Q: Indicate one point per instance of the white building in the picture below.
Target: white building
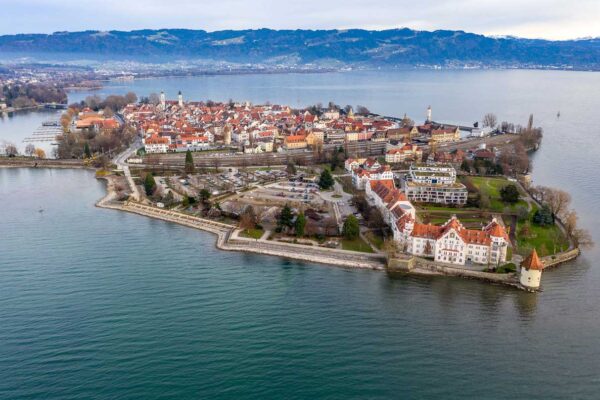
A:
(453, 243)
(434, 183)
(530, 274)
(448, 243)
(432, 173)
(361, 176)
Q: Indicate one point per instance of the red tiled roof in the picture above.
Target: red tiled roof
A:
(532, 262)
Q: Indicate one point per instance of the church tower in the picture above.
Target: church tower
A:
(163, 101)
(180, 99)
(530, 275)
(428, 114)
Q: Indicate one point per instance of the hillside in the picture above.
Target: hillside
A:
(388, 48)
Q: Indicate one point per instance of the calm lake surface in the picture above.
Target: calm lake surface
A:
(97, 304)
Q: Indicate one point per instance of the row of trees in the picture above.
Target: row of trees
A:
(556, 204)
(317, 109)
(111, 104)
(28, 95)
(11, 150)
(89, 142)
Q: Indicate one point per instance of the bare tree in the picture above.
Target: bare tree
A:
(10, 150)
(248, 218)
(131, 98)
(490, 120)
(582, 238)
(93, 102)
(153, 99)
(570, 221)
(530, 123)
(362, 110)
(30, 149)
(330, 226)
(558, 201)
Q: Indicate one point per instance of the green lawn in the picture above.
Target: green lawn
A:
(545, 239)
(252, 233)
(493, 187)
(356, 245)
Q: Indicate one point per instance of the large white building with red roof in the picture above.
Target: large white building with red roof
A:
(449, 243)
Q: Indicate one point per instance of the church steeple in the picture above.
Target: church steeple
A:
(163, 101)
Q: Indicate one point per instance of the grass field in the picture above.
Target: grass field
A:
(545, 239)
(493, 185)
(356, 245)
(252, 233)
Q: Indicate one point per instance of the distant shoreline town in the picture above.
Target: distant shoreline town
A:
(331, 184)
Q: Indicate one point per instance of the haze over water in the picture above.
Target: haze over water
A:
(100, 304)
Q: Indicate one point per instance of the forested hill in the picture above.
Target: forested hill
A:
(388, 48)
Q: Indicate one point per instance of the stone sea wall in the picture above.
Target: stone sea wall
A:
(225, 241)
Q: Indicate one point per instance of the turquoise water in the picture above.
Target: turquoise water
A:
(98, 304)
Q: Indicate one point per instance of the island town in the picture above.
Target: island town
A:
(328, 184)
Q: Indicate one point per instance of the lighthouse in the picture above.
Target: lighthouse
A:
(180, 99)
(428, 114)
(530, 275)
(163, 100)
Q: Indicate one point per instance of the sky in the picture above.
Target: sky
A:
(549, 19)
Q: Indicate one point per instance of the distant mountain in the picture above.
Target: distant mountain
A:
(354, 47)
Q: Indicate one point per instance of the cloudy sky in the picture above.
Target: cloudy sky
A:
(552, 19)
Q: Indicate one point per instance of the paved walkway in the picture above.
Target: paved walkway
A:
(121, 162)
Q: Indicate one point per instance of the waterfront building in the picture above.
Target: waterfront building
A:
(453, 243)
(450, 243)
(530, 274)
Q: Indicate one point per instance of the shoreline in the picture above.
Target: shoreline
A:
(24, 162)
(228, 240)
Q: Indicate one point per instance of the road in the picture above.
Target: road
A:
(120, 162)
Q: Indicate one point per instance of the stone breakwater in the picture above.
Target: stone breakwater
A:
(227, 240)
(28, 162)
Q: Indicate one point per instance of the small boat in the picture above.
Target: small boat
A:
(41, 210)
(558, 114)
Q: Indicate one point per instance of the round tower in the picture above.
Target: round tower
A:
(180, 99)
(530, 275)
(428, 114)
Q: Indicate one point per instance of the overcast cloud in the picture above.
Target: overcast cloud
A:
(552, 19)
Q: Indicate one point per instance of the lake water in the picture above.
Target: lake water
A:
(97, 304)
